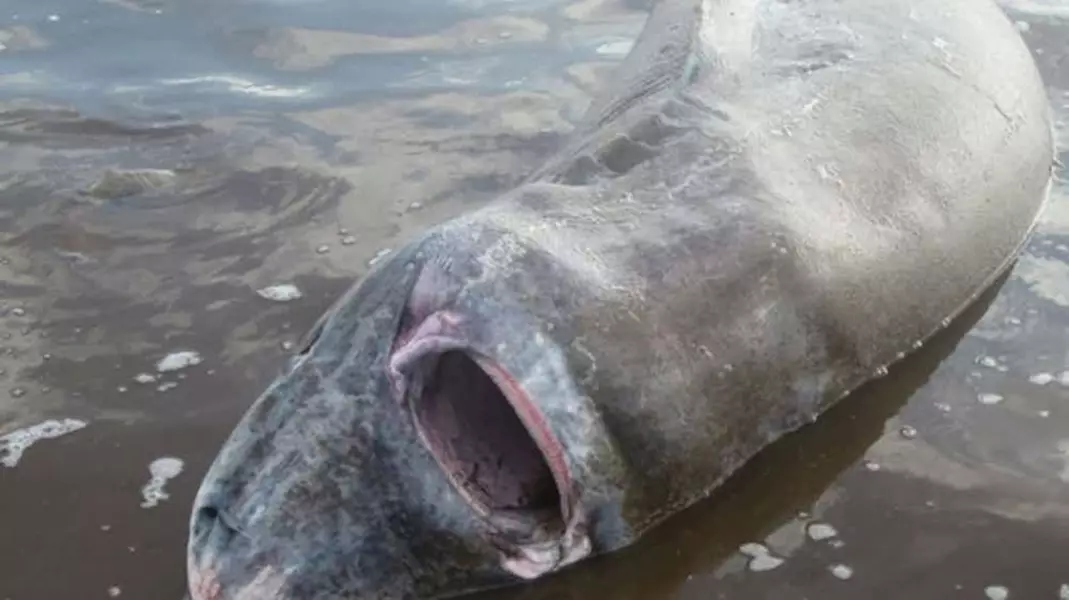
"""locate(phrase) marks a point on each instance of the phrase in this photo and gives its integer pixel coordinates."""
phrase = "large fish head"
(331, 486)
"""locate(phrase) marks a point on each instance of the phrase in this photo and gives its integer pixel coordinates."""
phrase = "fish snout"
(213, 537)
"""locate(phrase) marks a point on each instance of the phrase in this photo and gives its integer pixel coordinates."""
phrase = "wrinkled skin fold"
(773, 201)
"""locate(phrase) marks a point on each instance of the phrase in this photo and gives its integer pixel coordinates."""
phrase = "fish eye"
(311, 337)
(305, 345)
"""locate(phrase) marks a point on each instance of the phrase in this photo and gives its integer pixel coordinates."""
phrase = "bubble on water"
(996, 592)
(378, 256)
(881, 371)
(105, 527)
(836, 543)
(1013, 321)
(114, 591)
(18, 311)
(287, 345)
(18, 392)
(167, 385)
(144, 378)
(14, 444)
(53, 18)
(348, 240)
(764, 563)
(282, 292)
(841, 571)
(178, 360)
(942, 407)
(1044, 414)
(989, 399)
(871, 465)
(1022, 25)
(821, 531)
(760, 557)
(617, 48)
(161, 470)
(1041, 378)
(343, 231)
(918, 344)
(323, 249)
(1063, 592)
(753, 549)
(907, 432)
(988, 361)
(1063, 378)
(121, 388)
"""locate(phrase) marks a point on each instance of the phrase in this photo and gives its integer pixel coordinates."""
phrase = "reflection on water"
(201, 179)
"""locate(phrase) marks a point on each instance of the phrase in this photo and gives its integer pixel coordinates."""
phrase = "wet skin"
(731, 241)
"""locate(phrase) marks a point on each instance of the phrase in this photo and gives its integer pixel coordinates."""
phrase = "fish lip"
(531, 559)
(440, 332)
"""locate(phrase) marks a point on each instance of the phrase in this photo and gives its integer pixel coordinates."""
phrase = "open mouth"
(495, 448)
(478, 438)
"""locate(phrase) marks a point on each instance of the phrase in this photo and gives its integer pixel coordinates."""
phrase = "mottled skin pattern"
(775, 200)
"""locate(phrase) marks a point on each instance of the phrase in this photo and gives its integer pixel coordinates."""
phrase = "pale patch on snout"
(267, 585)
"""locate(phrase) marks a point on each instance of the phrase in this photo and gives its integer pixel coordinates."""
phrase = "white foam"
(282, 292)
(381, 254)
(989, 399)
(162, 470)
(843, 572)
(142, 378)
(760, 557)
(1041, 378)
(178, 360)
(1063, 592)
(821, 531)
(996, 592)
(14, 444)
(237, 85)
(764, 563)
(618, 48)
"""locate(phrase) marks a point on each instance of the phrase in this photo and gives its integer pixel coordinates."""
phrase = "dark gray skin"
(775, 201)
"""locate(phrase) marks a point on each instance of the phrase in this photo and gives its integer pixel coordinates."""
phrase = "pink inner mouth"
(492, 443)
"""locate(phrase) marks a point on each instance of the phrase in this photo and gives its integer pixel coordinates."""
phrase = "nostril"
(203, 521)
(211, 522)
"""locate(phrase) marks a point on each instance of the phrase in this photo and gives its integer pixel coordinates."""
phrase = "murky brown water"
(292, 152)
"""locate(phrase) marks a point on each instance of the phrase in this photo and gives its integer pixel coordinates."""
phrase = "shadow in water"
(781, 481)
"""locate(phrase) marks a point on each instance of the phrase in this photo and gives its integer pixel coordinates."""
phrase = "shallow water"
(288, 153)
